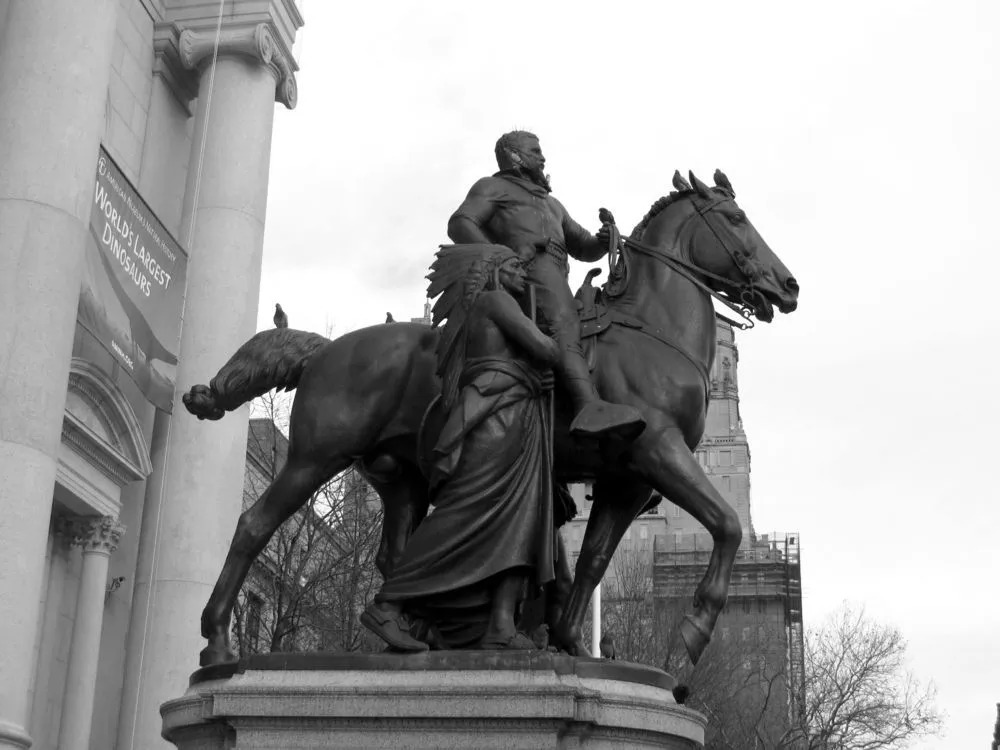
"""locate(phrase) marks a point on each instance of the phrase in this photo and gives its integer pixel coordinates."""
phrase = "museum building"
(116, 515)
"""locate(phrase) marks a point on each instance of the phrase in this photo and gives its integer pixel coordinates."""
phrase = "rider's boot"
(594, 416)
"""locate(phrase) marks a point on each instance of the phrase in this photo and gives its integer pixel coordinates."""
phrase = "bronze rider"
(514, 207)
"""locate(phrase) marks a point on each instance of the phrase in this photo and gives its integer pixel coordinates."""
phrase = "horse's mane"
(655, 210)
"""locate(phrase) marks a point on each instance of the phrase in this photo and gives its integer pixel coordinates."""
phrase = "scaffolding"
(767, 568)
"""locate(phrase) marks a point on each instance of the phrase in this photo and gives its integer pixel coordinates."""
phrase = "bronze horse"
(362, 398)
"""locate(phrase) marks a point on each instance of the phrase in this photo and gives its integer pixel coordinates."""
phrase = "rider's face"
(530, 151)
(513, 276)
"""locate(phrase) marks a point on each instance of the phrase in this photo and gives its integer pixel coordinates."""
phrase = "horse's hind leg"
(296, 482)
(616, 504)
(664, 460)
(404, 494)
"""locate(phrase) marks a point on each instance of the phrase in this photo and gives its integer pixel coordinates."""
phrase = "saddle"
(595, 316)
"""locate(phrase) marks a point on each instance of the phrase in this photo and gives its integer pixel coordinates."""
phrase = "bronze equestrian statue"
(362, 399)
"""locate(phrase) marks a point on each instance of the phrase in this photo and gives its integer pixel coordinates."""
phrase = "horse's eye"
(738, 218)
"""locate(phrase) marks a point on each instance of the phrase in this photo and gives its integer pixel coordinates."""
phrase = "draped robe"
(491, 487)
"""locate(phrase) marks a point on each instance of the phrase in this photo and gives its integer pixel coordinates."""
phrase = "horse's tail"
(271, 359)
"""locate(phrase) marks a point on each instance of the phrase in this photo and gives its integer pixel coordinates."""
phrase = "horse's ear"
(679, 182)
(703, 190)
(723, 182)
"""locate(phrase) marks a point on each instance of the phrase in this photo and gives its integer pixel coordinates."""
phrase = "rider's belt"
(557, 250)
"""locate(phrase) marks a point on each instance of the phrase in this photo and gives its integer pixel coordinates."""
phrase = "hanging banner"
(134, 277)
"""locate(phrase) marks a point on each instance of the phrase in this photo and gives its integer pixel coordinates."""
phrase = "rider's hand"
(526, 253)
(604, 236)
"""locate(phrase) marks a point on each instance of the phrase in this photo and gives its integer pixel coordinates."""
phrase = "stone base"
(441, 699)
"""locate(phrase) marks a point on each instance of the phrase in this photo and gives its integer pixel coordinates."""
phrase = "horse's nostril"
(792, 285)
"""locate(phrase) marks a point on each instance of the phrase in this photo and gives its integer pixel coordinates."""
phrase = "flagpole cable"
(151, 592)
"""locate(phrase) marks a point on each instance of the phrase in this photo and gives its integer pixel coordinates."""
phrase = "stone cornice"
(98, 534)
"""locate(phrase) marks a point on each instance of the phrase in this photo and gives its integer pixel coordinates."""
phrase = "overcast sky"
(862, 141)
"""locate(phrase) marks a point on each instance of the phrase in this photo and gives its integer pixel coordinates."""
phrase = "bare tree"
(628, 613)
(859, 694)
(740, 681)
(356, 579)
(302, 591)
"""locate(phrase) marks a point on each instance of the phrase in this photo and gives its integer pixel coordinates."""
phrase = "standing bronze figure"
(491, 537)
(362, 399)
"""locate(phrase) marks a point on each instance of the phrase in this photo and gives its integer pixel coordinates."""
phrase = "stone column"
(98, 538)
(192, 504)
(55, 65)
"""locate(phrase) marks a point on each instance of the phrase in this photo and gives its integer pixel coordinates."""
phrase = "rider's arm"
(580, 243)
(504, 312)
(466, 224)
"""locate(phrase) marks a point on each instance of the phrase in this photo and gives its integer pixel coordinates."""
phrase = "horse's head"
(737, 261)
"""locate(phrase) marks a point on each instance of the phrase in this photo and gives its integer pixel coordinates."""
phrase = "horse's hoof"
(568, 640)
(696, 637)
(216, 653)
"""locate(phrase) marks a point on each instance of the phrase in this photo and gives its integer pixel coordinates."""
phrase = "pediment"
(100, 426)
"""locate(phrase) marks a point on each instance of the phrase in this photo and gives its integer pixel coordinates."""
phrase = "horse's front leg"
(665, 461)
(616, 504)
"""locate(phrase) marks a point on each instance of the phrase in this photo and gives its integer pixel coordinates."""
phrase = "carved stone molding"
(97, 534)
(100, 425)
(183, 83)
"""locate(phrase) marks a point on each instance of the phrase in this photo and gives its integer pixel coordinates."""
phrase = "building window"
(727, 484)
(746, 608)
(643, 531)
(725, 458)
(676, 511)
(760, 633)
(746, 634)
(255, 606)
(762, 606)
(725, 634)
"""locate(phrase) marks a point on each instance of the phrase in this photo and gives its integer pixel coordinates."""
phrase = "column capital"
(256, 42)
(97, 534)
(261, 30)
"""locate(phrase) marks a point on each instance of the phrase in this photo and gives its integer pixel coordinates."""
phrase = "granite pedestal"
(514, 699)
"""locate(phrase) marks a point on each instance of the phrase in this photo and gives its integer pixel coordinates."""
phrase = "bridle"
(744, 262)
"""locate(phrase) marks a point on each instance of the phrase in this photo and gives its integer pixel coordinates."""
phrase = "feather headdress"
(458, 274)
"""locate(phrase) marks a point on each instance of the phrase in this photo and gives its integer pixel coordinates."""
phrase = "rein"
(687, 270)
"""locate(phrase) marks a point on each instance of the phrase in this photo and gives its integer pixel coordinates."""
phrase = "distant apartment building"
(665, 552)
